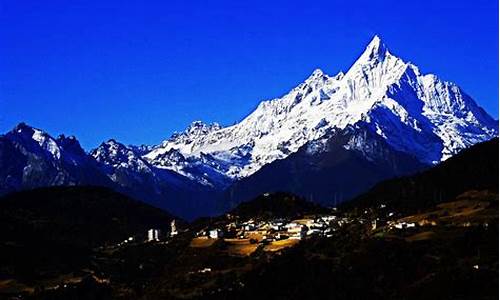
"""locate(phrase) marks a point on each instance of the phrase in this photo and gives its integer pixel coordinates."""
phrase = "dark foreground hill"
(86, 216)
(277, 205)
(475, 168)
(265, 207)
(54, 230)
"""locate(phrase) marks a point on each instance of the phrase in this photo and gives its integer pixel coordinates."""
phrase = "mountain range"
(328, 139)
(68, 243)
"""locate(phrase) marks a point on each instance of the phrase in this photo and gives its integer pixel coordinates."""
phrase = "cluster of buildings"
(152, 235)
(155, 235)
(388, 220)
(275, 229)
(400, 225)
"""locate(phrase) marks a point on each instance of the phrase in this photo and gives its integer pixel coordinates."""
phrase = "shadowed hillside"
(475, 168)
(54, 230)
(277, 205)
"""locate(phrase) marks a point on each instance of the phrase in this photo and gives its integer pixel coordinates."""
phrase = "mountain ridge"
(329, 170)
(31, 158)
(417, 119)
(475, 168)
(379, 88)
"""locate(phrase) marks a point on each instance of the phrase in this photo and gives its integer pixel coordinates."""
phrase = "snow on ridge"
(47, 143)
(416, 113)
(23, 133)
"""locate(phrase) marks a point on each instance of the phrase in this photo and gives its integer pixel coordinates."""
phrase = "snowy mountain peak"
(25, 134)
(115, 154)
(317, 73)
(112, 147)
(376, 49)
(109, 148)
(415, 113)
(316, 79)
(141, 149)
(113, 143)
(197, 127)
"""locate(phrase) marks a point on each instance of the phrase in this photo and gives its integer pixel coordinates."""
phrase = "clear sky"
(139, 70)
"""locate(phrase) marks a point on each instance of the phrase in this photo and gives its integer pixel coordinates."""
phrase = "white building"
(403, 225)
(313, 231)
(153, 235)
(173, 228)
(250, 227)
(296, 231)
(216, 233)
(327, 219)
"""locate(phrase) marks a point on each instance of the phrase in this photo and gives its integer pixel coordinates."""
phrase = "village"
(270, 232)
(236, 241)
(243, 236)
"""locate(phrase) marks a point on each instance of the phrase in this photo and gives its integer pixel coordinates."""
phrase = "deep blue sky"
(137, 72)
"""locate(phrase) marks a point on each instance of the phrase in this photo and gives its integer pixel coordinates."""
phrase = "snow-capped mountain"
(124, 166)
(32, 158)
(158, 186)
(209, 169)
(329, 136)
(416, 113)
(328, 170)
